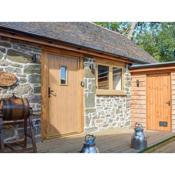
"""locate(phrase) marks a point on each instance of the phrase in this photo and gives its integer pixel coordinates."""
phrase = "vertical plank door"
(159, 102)
(65, 96)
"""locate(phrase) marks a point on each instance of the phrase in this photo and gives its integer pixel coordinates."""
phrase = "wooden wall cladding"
(138, 100)
(173, 99)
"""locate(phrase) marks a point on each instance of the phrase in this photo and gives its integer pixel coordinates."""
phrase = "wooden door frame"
(158, 73)
(45, 85)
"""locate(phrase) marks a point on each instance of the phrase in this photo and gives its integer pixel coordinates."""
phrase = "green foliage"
(121, 27)
(160, 43)
(148, 43)
(156, 38)
(110, 25)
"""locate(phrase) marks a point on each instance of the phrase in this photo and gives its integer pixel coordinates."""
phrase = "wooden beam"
(44, 94)
(81, 74)
(110, 92)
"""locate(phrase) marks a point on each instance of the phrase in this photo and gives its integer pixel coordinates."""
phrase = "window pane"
(117, 78)
(103, 77)
(63, 75)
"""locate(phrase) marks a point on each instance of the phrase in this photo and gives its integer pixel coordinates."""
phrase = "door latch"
(82, 83)
(168, 103)
(51, 92)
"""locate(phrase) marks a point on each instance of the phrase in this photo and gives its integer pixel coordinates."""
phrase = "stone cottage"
(75, 75)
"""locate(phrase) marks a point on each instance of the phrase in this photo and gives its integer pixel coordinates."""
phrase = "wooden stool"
(13, 111)
(22, 143)
(1, 134)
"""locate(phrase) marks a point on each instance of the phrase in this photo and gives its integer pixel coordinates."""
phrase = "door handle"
(82, 83)
(51, 92)
(168, 103)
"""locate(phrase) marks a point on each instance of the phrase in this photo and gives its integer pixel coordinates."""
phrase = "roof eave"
(152, 65)
(13, 31)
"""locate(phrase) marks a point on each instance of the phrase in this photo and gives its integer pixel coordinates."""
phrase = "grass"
(158, 145)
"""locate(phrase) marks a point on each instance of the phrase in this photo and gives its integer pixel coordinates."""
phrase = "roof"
(84, 34)
(152, 65)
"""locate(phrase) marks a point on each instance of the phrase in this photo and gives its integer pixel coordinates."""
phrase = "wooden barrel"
(15, 108)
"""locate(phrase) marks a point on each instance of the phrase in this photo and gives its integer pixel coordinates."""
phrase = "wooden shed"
(153, 96)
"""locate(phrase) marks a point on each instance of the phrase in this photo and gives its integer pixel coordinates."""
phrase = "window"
(103, 77)
(63, 75)
(117, 78)
(109, 80)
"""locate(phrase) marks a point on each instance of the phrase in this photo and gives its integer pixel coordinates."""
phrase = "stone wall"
(103, 112)
(100, 112)
(16, 58)
(89, 94)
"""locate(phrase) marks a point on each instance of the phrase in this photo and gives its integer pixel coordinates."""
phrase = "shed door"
(159, 102)
(65, 96)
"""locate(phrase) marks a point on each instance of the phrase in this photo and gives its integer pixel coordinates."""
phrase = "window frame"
(66, 84)
(110, 91)
(97, 75)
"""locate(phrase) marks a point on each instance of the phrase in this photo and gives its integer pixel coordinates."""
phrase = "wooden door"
(64, 96)
(159, 102)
